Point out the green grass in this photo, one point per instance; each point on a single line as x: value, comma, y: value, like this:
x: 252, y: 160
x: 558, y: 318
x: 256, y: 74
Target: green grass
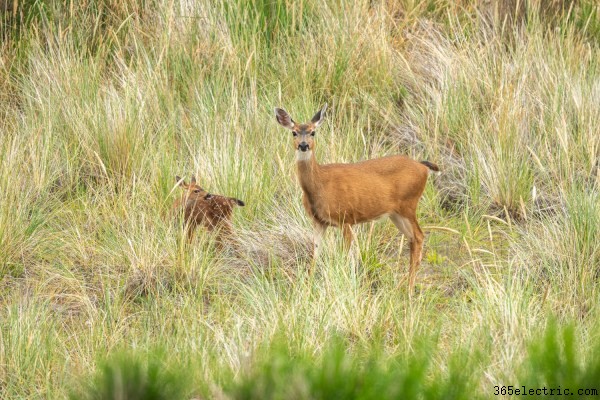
x: 103, y: 103
x: 281, y: 370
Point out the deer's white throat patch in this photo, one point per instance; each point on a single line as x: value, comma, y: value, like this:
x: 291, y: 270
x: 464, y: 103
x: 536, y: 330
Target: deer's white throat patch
x: 303, y: 155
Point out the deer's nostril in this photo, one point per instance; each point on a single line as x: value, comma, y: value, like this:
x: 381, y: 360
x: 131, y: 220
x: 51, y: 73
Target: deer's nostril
x: 303, y: 146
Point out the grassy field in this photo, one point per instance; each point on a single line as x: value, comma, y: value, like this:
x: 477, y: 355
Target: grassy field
x: 103, y: 102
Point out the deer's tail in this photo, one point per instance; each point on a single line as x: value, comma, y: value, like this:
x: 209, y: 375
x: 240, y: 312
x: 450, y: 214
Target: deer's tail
x: 431, y: 166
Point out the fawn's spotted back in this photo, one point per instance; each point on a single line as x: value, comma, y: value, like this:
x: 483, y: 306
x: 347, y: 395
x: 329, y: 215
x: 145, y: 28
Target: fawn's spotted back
x: 199, y: 207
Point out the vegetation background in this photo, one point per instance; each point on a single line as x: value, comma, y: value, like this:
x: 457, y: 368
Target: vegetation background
x: 103, y: 102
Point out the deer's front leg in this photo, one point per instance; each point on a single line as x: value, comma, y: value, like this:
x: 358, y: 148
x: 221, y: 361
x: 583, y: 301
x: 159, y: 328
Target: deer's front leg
x: 319, y: 231
x: 348, y: 235
x: 190, y: 228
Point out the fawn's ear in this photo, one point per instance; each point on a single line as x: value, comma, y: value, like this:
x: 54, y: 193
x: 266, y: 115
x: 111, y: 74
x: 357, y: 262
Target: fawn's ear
x: 319, y: 116
x: 180, y: 181
x: 193, y: 180
x: 284, y: 118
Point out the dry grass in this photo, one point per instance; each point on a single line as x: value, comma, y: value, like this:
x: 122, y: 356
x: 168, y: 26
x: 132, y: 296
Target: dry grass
x: 102, y: 106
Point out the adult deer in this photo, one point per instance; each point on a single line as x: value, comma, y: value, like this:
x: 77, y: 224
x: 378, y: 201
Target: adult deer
x: 199, y: 207
x: 342, y: 195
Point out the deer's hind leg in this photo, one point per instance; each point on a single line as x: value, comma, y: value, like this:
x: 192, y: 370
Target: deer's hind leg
x: 416, y: 252
x: 411, y: 229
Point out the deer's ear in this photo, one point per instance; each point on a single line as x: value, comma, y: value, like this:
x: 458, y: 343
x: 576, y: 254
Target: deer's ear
x: 319, y: 116
x: 193, y: 180
x: 180, y: 181
x: 284, y: 118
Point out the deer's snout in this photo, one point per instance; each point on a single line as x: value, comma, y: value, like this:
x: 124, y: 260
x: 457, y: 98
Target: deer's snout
x: 303, y: 146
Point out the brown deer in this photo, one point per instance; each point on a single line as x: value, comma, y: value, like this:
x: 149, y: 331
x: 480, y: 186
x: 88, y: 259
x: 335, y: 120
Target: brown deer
x: 342, y: 195
x: 202, y: 208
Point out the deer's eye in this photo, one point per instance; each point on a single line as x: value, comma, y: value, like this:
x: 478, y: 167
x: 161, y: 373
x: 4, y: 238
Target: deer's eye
x: 312, y: 133
x: 295, y: 134
x: 197, y: 191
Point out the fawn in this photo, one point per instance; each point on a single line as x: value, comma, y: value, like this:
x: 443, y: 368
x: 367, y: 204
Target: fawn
x: 342, y: 195
x: 212, y: 211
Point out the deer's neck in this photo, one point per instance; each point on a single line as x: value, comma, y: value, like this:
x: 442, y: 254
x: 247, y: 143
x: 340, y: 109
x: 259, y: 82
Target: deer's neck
x: 308, y: 171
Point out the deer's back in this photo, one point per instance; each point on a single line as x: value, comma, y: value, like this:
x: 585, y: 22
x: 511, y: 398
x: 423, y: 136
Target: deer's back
x: 367, y: 190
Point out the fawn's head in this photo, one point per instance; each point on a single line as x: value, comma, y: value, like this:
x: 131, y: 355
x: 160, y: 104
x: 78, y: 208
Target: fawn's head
x: 193, y: 191
x: 303, y: 134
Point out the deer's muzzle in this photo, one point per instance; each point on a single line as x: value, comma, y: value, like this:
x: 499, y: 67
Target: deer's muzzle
x: 303, y: 146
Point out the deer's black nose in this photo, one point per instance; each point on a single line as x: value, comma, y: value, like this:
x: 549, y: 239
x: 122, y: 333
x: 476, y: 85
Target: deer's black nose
x: 303, y: 146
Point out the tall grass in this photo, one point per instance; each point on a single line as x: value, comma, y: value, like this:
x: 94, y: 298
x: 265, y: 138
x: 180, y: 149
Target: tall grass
x: 104, y: 102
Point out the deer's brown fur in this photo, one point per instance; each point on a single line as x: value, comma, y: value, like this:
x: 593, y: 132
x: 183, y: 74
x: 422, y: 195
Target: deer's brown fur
x: 343, y: 195
x: 199, y: 207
